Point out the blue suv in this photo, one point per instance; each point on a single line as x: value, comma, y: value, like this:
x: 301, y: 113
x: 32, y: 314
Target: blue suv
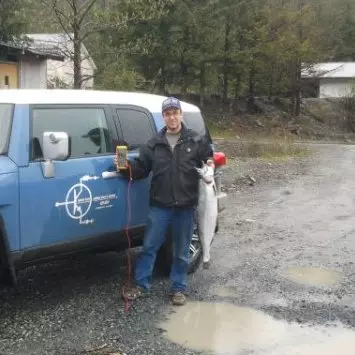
x: 59, y: 191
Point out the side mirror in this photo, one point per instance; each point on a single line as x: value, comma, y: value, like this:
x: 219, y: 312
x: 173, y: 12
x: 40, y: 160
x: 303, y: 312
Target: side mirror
x: 55, y: 146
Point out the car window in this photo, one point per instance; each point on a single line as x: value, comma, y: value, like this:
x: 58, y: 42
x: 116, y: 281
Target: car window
x: 136, y: 127
x: 86, y: 127
x: 195, y: 121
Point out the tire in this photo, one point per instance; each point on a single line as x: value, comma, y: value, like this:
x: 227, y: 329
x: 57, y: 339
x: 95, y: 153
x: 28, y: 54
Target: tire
x: 7, y: 273
x: 7, y: 276
x: 165, y: 255
x: 3, y: 274
x: 7, y: 270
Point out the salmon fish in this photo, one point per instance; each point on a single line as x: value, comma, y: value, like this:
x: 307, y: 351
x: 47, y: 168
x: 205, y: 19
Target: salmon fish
x: 207, y: 210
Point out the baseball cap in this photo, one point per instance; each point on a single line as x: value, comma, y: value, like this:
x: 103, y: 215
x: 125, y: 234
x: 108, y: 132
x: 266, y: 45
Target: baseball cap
x: 171, y: 102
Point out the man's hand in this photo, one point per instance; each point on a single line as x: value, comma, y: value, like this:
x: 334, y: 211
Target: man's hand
x: 115, y: 161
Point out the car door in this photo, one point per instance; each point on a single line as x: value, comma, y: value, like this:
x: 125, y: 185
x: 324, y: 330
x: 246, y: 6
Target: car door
x: 136, y: 127
x: 77, y: 204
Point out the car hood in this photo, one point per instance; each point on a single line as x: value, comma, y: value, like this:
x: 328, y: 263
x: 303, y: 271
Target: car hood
x: 7, y: 165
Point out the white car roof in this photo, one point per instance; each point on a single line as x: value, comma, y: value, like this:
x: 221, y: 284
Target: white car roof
x: 63, y: 96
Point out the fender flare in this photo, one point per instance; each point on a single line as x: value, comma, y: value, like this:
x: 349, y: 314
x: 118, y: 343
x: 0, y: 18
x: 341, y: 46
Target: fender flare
x: 9, y: 276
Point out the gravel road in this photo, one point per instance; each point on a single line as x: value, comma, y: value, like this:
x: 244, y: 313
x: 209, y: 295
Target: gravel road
x: 298, y: 214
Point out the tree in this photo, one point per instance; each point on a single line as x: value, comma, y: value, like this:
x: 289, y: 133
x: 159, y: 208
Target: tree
x: 345, y: 33
x: 11, y: 20
x: 293, y: 44
x: 221, y: 48
x: 87, y: 20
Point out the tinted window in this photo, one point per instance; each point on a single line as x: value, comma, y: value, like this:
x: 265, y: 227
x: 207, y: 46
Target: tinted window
x: 86, y: 127
x: 136, y: 127
x: 195, y: 121
x: 5, y: 126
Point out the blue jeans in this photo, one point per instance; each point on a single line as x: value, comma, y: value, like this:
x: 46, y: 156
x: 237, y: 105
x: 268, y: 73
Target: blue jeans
x: 182, y: 223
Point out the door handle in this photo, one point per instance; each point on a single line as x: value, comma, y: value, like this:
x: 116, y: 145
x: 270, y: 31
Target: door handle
x: 110, y: 174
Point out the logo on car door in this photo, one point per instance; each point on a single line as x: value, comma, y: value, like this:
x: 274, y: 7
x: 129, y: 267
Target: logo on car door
x: 79, y: 200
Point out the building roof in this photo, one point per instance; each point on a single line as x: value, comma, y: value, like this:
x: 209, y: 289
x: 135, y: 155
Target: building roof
x: 331, y: 70
x: 25, y: 49
x: 58, y: 42
x: 86, y: 97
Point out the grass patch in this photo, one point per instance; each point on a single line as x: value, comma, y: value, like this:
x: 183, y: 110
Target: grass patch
x: 220, y: 132
x: 279, y: 145
x: 283, y: 149
x: 319, y: 111
x: 273, y: 149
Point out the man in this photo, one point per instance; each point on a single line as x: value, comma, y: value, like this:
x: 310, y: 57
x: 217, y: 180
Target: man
x: 171, y: 156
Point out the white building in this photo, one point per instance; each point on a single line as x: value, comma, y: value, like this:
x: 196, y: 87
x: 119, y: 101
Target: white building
x: 335, y: 79
x: 61, y: 74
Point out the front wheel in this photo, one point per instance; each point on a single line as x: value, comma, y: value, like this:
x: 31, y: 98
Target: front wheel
x: 165, y: 255
x: 195, y: 255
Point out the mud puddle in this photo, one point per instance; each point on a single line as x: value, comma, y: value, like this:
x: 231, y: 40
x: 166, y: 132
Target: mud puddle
x: 311, y: 276
x: 226, y: 329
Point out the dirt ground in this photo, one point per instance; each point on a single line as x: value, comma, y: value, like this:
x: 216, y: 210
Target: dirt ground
x: 282, y: 279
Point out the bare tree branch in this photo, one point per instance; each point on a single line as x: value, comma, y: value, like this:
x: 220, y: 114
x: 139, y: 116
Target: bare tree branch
x: 85, y: 11
x: 86, y: 78
x: 55, y: 6
x: 60, y: 17
x: 71, y: 3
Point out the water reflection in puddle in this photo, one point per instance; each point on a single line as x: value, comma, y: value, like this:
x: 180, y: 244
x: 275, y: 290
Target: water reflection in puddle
x: 226, y: 329
x: 312, y: 276
x: 222, y: 327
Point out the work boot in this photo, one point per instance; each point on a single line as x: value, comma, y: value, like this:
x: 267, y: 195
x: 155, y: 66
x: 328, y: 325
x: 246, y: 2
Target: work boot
x: 178, y: 299
x: 134, y: 292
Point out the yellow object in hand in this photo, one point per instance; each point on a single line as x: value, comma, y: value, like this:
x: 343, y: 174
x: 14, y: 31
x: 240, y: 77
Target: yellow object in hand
x: 121, y: 157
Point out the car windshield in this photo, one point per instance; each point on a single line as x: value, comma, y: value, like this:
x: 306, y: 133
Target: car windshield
x: 5, y: 125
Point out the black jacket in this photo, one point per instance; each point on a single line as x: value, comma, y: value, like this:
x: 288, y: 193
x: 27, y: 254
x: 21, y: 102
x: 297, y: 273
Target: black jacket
x: 174, y: 177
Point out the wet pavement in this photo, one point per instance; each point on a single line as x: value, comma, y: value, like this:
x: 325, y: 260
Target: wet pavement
x: 282, y: 281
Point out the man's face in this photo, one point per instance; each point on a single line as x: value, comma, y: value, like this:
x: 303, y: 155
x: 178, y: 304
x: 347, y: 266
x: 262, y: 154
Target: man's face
x: 172, y: 118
